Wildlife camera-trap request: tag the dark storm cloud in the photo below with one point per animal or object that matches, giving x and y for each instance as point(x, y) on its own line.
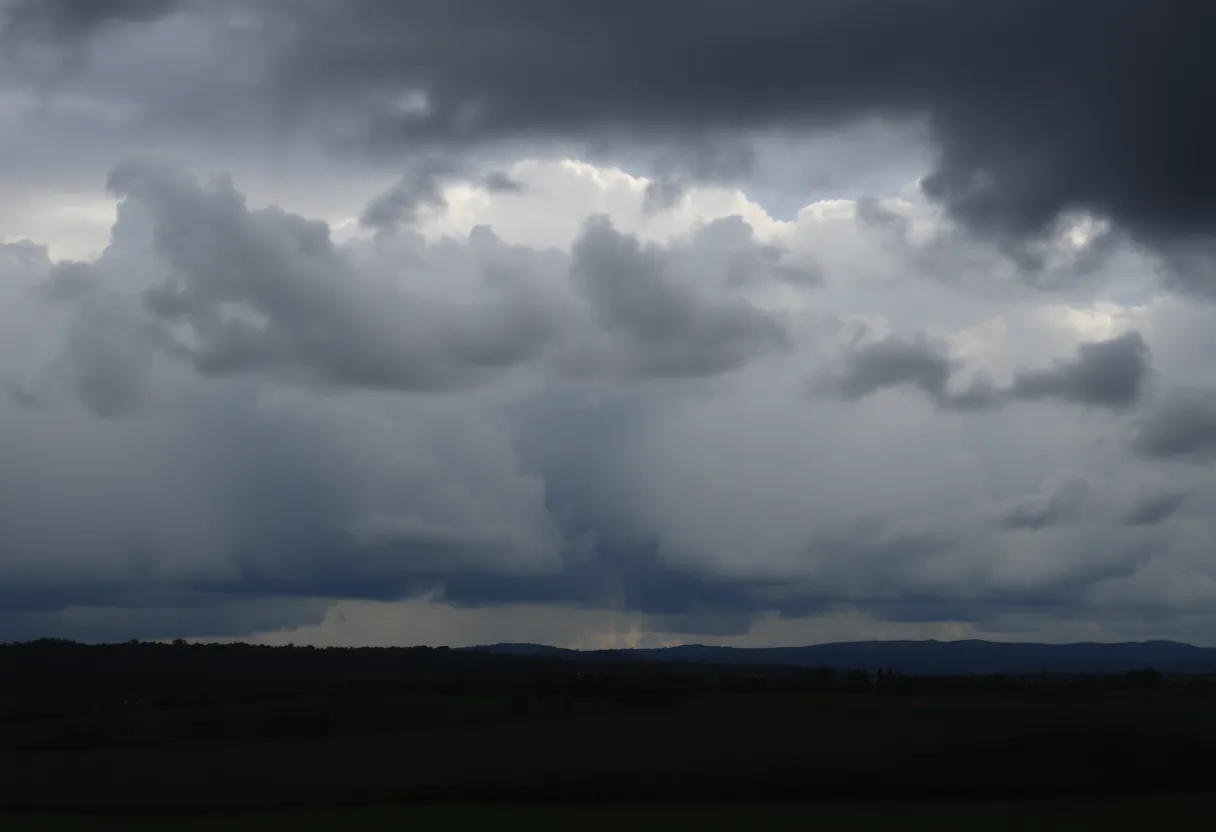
point(1107, 374)
point(117, 619)
point(1182, 426)
point(894, 362)
point(1036, 107)
point(74, 19)
point(1102, 373)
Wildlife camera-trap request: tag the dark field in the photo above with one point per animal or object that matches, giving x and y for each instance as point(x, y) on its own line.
point(1169, 812)
point(717, 748)
point(152, 730)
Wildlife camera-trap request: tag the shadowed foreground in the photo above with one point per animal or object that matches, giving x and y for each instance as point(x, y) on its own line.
point(146, 729)
point(745, 748)
point(1166, 812)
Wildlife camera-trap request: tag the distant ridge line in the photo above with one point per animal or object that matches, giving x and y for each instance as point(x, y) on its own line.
point(909, 656)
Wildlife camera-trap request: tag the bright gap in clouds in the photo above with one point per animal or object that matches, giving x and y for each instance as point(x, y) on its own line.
point(556, 197)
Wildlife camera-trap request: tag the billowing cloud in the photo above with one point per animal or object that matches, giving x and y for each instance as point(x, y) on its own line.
point(256, 420)
point(503, 315)
point(268, 291)
point(235, 291)
point(351, 409)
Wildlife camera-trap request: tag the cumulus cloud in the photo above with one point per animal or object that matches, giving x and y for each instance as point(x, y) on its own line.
point(234, 290)
point(550, 402)
point(186, 378)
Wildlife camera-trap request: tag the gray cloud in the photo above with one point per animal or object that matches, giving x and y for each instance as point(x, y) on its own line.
point(233, 417)
point(662, 326)
point(498, 182)
point(420, 187)
point(1035, 110)
point(266, 290)
point(238, 291)
point(893, 362)
point(1057, 505)
point(875, 215)
point(1182, 426)
point(1156, 509)
point(662, 194)
point(1107, 374)
point(75, 19)
point(105, 360)
point(1103, 373)
point(163, 618)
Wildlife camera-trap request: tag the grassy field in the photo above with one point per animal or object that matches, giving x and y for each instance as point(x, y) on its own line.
point(1176, 811)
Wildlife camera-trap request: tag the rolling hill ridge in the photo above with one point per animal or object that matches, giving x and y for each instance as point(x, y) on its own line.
point(914, 657)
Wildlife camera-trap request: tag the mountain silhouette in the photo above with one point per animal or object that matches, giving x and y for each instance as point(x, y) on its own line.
point(914, 657)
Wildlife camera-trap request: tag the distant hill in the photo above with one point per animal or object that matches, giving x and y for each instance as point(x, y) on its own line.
point(915, 657)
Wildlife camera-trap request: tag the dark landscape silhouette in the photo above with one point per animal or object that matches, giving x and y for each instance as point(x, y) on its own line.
point(208, 727)
point(918, 657)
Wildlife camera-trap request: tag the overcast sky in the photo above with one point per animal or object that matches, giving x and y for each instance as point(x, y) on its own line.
point(632, 322)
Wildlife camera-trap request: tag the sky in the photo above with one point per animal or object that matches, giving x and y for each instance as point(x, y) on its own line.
point(623, 323)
